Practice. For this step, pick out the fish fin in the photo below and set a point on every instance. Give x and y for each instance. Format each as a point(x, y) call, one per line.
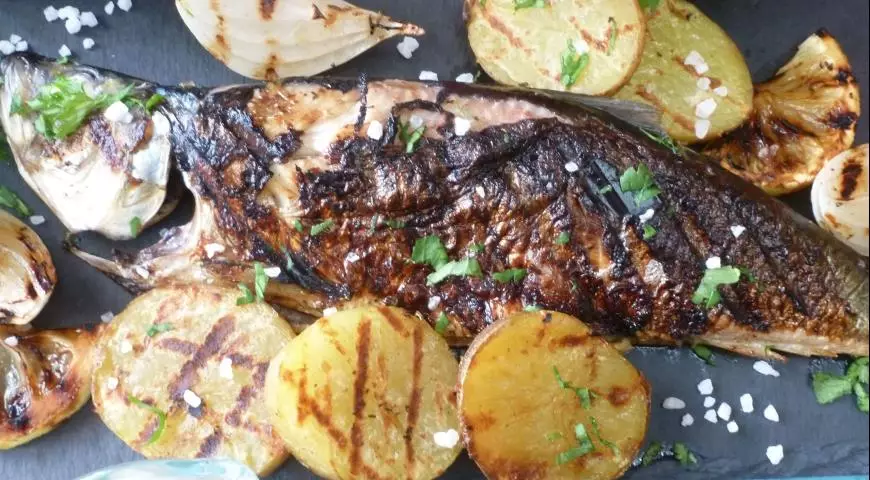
point(637, 114)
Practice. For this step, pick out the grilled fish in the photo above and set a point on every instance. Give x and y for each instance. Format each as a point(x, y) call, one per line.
point(333, 184)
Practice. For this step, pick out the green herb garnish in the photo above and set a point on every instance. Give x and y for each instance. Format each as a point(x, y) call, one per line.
point(261, 280)
point(322, 227)
point(651, 454)
point(859, 370)
point(583, 394)
point(597, 430)
point(829, 387)
point(4, 148)
point(650, 5)
point(161, 417)
point(476, 248)
point(298, 225)
point(511, 275)
point(153, 101)
point(640, 182)
point(532, 308)
point(664, 140)
point(704, 353)
point(62, 60)
point(563, 238)
point(442, 323)
point(158, 328)
point(520, 4)
point(247, 295)
point(429, 250)
point(394, 224)
point(584, 446)
point(684, 455)
point(862, 401)
point(649, 231)
point(605, 189)
point(11, 200)
point(467, 267)
point(574, 285)
point(288, 258)
point(553, 436)
point(572, 64)
point(707, 293)
point(135, 226)
point(614, 31)
point(410, 137)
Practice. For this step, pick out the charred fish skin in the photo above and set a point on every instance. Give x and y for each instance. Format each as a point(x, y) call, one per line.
point(296, 175)
point(106, 174)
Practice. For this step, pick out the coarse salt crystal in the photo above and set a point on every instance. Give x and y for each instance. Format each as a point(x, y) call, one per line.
point(126, 346)
point(721, 90)
point(447, 439)
point(225, 368)
point(161, 124)
point(673, 403)
point(109, 8)
point(21, 46)
point(465, 78)
point(775, 454)
point(461, 126)
point(213, 249)
point(710, 416)
point(746, 403)
point(703, 83)
point(724, 411)
point(107, 317)
point(191, 399)
point(408, 46)
point(732, 427)
point(646, 216)
point(88, 19)
point(73, 25)
point(415, 121)
point(142, 271)
point(118, 112)
point(12, 341)
point(702, 127)
point(581, 46)
point(434, 301)
point(709, 402)
point(714, 262)
point(352, 257)
point(14, 38)
point(737, 230)
point(37, 220)
point(64, 51)
point(6, 47)
point(765, 368)
point(375, 130)
point(771, 414)
point(429, 76)
point(272, 272)
point(687, 420)
point(694, 59)
point(706, 386)
point(125, 5)
point(68, 12)
point(329, 311)
point(705, 108)
point(480, 191)
point(111, 383)
point(88, 43)
point(50, 14)
point(572, 167)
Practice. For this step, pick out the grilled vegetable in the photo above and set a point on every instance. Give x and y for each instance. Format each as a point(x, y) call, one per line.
point(180, 372)
point(539, 393)
point(668, 75)
point(44, 379)
point(584, 47)
point(801, 117)
point(840, 198)
point(267, 40)
point(27, 275)
point(367, 393)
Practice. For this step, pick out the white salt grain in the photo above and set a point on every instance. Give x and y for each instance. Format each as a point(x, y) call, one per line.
point(50, 14)
point(709, 402)
point(88, 43)
point(225, 368)
point(37, 220)
point(702, 128)
point(352, 257)
point(375, 130)
point(272, 272)
point(191, 399)
point(125, 5)
point(73, 25)
point(732, 427)
point(213, 249)
point(705, 387)
point(703, 83)
point(107, 317)
point(11, 341)
point(713, 262)
point(465, 78)
point(687, 420)
point(118, 112)
point(647, 215)
point(705, 109)
point(775, 454)
point(581, 46)
point(694, 59)
point(329, 311)
point(746, 403)
point(428, 76)
point(434, 301)
point(408, 46)
point(126, 346)
point(673, 403)
point(88, 19)
point(21, 46)
point(111, 383)
point(6, 47)
point(572, 167)
point(461, 126)
point(447, 439)
point(721, 90)
point(737, 230)
point(67, 12)
point(109, 8)
point(724, 411)
point(14, 38)
point(415, 121)
point(710, 416)
point(771, 414)
point(765, 368)
point(64, 51)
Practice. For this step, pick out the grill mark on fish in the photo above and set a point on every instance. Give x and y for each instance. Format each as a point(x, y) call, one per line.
point(359, 390)
point(101, 133)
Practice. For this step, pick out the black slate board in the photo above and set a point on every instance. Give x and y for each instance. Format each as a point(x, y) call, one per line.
point(151, 42)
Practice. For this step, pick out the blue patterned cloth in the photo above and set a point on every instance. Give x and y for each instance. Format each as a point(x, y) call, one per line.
point(175, 470)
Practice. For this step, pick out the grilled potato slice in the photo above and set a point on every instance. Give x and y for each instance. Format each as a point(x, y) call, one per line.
point(529, 381)
point(663, 79)
point(804, 116)
point(367, 393)
point(44, 379)
point(524, 46)
point(168, 350)
point(27, 275)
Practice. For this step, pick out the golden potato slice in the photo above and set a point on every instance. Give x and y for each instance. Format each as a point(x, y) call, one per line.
point(46, 375)
point(367, 393)
point(804, 116)
point(525, 46)
point(663, 79)
point(180, 374)
point(531, 381)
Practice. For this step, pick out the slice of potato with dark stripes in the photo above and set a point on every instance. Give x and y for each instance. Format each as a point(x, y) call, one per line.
point(541, 397)
point(367, 393)
point(180, 374)
point(525, 45)
point(45, 379)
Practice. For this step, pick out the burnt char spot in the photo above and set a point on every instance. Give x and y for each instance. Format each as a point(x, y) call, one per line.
point(849, 179)
point(618, 396)
point(844, 76)
point(571, 341)
point(364, 332)
point(316, 13)
point(842, 120)
point(17, 410)
point(415, 397)
point(102, 135)
point(210, 445)
point(267, 8)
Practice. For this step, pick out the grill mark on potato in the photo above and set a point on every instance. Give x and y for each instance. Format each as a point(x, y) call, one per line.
point(394, 322)
point(243, 401)
point(569, 341)
point(618, 396)
point(333, 338)
point(500, 27)
point(683, 121)
point(364, 331)
point(308, 406)
point(178, 345)
point(211, 346)
point(210, 445)
point(415, 398)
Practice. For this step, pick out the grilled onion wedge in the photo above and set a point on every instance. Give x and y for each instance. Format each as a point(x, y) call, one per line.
point(802, 117)
point(167, 352)
point(540, 394)
point(840, 198)
point(27, 275)
point(663, 79)
point(367, 393)
point(44, 379)
point(525, 46)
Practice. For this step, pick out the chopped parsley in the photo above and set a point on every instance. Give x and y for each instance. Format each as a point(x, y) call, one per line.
point(298, 225)
point(12, 201)
point(650, 5)
point(858, 370)
point(649, 231)
point(376, 220)
point(429, 250)
point(4, 148)
point(511, 275)
point(394, 224)
point(704, 353)
point(261, 280)
point(153, 101)
point(664, 140)
point(442, 323)
point(563, 238)
point(532, 308)
point(135, 226)
point(247, 295)
point(584, 446)
point(467, 267)
point(520, 4)
point(597, 430)
point(614, 31)
point(553, 436)
point(62, 60)
point(158, 328)
point(583, 394)
point(748, 275)
point(410, 137)
point(828, 387)
point(62, 105)
point(160, 414)
point(605, 189)
point(322, 227)
point(476, 248)
point(707, 293)
point(652, 453)
point(288, 258)
point(640, 182)
point(573, 64)
point(684, 455)
point(574, 285)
